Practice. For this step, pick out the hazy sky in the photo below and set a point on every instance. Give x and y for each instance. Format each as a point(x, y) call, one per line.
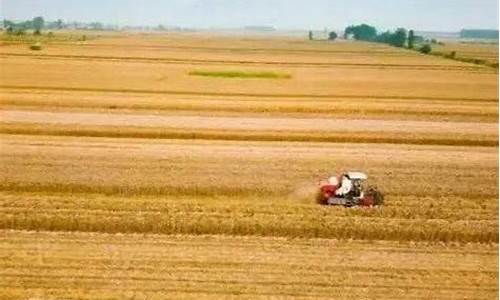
point(439, 15)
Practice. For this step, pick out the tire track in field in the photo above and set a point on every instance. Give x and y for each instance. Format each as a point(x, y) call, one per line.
point(235, 94)
point(243, 62)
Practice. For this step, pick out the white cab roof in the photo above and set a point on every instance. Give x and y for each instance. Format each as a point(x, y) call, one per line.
point(357, 175)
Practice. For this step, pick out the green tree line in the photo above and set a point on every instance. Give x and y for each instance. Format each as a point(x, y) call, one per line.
point(36, 24)
point(401, 37)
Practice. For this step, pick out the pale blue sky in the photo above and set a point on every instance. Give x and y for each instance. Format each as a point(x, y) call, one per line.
point(437, 15)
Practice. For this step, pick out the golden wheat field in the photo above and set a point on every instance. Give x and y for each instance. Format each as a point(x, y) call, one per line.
point(155, 166)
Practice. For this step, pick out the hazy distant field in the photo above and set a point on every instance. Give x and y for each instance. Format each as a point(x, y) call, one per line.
point(126, 174)
point(487, 52)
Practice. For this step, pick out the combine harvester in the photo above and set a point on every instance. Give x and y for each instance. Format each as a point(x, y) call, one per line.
point(349, 190)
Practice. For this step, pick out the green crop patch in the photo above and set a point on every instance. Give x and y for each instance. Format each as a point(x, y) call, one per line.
point(240, 74)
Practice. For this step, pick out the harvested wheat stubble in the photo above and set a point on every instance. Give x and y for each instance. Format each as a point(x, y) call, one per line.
point(100, 200)
point(249, 203)
point(156, 160)
point(305, 80)
point(103, 266)
point(170, 60)
point(323, 97)
point(248, 123)
point(361, 107)
point(233, 216)
point(306, 55)
point(477, 140)
point(248, 128)
point(487, 52)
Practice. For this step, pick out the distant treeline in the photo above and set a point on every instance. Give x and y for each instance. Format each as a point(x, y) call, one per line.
point(39, 23)
point(479, 34)
point(401, 37)
point(404, 38)
point(407, 38)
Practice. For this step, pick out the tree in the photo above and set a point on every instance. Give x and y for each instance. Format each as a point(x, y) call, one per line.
point(26, 25)
point(59, 24)
point(425, 49)
point(96, 26)
point(384, 37)
point(399, 38)
point(19, 31)
point(332, 36)
point(396, 39)
point(361, 32)
point(411, 39)
point(38, 24)
point(7, 24)
point(418, 39)
point(16, 28)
